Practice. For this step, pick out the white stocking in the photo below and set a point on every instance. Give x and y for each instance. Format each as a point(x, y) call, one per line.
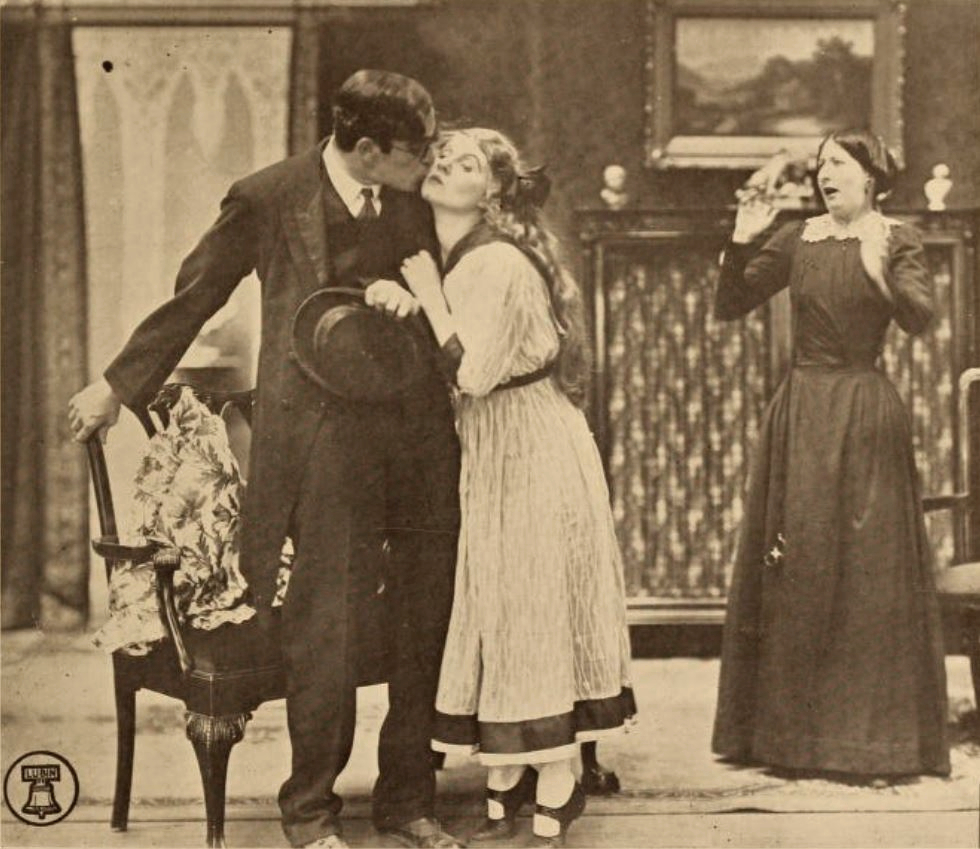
point(501, 778)
point(555, 784)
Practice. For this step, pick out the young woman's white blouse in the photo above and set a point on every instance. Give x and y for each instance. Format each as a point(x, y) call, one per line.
point(502, 316)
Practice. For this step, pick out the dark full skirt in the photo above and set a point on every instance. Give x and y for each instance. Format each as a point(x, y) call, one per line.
point(833, 655)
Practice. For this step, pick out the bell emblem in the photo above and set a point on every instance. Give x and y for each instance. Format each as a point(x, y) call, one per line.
point(40, 795)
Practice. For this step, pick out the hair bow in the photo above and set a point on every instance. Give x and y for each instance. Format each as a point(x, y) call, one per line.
point(533, 187)
point(530, 191)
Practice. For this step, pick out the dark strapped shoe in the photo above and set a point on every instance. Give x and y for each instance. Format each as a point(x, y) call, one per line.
point(565, 816)
point(424, 833)
point(511, 800)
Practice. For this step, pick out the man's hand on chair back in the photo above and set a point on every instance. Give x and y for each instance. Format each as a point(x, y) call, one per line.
point(95, 408)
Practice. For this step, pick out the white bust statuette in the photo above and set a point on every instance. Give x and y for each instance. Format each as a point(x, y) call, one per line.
point(938, 187)
point(613, 192)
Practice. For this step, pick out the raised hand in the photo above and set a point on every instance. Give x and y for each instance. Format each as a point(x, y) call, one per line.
point(752, 219)
point(763, 182)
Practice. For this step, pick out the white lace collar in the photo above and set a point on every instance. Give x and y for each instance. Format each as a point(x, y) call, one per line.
point(825, 226)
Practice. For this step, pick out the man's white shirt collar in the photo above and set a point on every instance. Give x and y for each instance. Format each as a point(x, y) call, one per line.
point(347, 187)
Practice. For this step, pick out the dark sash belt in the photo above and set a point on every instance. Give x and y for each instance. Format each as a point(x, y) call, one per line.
point(525, 379)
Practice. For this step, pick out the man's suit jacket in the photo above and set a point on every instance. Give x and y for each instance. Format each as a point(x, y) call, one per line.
point(272, 222)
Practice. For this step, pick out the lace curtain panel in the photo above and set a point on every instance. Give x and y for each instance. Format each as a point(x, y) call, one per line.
point(171, 116)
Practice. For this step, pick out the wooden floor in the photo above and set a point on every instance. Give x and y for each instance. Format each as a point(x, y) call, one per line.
point(595, 829)
point(57, 696)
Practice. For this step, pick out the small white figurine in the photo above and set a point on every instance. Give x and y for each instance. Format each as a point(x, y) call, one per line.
point(613, 193)
point(938, 187)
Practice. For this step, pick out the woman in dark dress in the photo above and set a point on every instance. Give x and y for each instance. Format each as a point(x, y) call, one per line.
point(832, 658)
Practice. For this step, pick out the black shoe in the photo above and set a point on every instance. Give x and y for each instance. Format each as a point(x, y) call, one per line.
point(423, 833)
point(565, 815)
point(499, 829)
point(597, 781)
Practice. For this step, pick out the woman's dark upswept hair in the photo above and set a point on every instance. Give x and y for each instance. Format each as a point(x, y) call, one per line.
point(871, 154)
point(524, 223)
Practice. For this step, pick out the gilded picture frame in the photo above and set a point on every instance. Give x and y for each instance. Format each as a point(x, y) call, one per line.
point(731, 82)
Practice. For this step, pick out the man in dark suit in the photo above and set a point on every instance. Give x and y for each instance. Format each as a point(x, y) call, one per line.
point(366, 491)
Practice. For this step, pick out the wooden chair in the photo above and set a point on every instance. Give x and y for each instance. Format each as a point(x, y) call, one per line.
point(959, 585)
point(220, 675)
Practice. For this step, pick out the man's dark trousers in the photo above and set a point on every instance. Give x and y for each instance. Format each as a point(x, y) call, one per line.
point(384, 503)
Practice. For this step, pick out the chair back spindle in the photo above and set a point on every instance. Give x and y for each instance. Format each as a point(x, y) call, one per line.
point(103, 494)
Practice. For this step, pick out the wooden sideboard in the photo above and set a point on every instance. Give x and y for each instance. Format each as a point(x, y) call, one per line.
point(678, 397)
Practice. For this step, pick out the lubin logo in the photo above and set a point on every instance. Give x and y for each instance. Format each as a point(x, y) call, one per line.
point(46, 791)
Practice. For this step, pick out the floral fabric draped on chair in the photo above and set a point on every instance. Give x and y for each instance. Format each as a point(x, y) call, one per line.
point(188, 495)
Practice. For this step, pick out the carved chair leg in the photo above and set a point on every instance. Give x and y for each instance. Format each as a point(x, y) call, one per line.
point(212, 738)
point(596, 780)
point(125, 744)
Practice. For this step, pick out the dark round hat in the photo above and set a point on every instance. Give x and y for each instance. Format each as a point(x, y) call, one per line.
point(351, 350)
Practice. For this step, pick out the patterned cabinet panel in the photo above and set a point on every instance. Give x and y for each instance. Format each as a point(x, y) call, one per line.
point(685, 394)
point(925, 369)
point(679, 397)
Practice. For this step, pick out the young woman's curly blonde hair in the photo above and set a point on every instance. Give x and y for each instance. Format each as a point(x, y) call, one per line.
point(509, 212)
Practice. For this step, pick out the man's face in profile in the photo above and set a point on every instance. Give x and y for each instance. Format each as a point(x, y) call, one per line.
point(408, 161)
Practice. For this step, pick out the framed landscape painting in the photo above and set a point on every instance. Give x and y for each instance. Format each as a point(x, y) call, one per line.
point(731, 82)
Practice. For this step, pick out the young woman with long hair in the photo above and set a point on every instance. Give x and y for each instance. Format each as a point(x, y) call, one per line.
point(537, 655)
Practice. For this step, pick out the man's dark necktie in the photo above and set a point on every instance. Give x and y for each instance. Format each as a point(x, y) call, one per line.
point(368, 210)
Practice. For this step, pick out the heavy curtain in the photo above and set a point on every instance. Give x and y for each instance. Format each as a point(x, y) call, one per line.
point(44, 539)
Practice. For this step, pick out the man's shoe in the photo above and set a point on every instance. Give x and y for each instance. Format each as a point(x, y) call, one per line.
point(424, 833)
point(508, 801)
point(331, 841)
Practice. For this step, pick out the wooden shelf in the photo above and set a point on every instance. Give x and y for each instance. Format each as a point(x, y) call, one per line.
point(663, 611)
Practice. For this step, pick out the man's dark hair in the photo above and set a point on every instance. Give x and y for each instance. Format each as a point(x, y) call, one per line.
point(380, 105)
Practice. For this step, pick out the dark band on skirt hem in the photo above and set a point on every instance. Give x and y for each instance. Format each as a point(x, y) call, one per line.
point(532, 735)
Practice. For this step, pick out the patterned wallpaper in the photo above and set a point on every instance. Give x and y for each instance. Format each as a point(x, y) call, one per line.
point(566, 79)
point(942, 93)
